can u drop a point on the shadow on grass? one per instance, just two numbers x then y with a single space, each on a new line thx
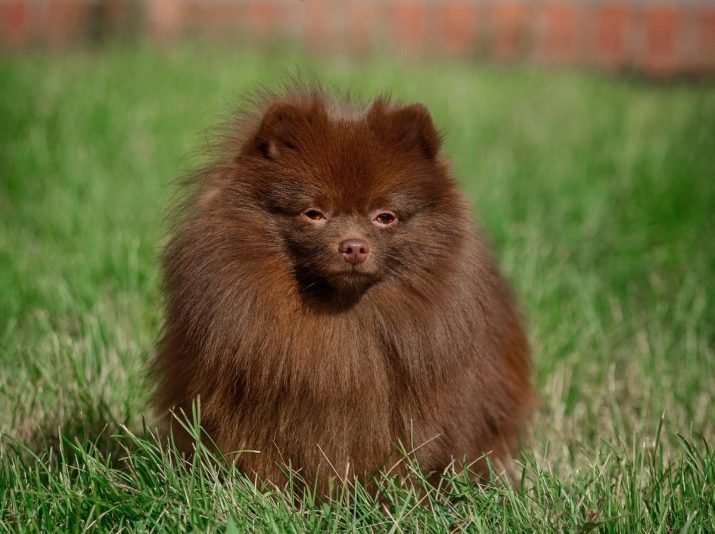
106 474
94 445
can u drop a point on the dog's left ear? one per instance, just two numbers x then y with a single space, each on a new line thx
285 126
408 127
278 131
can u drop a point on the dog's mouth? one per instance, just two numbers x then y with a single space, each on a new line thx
340 287
353 276
351 272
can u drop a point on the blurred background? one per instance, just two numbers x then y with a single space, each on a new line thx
583 132
658 37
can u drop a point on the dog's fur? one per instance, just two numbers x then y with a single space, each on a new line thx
323 365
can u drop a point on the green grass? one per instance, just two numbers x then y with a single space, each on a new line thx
599 194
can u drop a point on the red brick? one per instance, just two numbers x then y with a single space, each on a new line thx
661 35
364 24
288 18
687 41
116 15
254 20
319 17
409 22
558 37
459 27
663 38
508 27
165 18
611 43
66 21
706 38
14 24
222 18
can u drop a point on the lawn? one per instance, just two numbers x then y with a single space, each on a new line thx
599 196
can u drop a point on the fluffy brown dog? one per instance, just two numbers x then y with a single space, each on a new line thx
328 297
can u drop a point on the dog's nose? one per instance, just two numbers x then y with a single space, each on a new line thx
354 251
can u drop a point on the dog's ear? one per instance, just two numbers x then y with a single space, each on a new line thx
283 128
408 127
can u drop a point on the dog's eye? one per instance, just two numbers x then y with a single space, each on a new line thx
385 218
314 215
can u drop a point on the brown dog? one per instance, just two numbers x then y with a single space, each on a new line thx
329 297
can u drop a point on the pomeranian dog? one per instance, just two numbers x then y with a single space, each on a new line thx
331 304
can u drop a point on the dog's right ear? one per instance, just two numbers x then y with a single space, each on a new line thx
283 129
407 127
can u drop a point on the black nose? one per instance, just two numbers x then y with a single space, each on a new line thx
354 250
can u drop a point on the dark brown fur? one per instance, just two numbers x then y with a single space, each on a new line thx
314 363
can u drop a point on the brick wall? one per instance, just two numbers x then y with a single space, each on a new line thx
660 37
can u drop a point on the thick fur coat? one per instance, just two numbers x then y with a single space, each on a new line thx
326 357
